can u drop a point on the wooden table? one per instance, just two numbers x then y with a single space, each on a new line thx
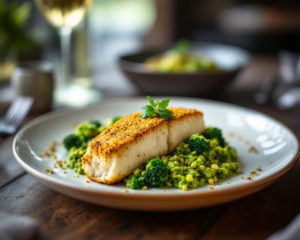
253 217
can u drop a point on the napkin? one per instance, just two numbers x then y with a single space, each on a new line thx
17 227
290 232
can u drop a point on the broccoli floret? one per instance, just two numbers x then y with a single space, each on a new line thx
109 122
213 132
96 123
72 140
198 143
156 173
87 130
135 182
116 118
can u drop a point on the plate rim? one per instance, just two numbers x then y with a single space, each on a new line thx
142 194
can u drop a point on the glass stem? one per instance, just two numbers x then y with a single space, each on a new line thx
65 42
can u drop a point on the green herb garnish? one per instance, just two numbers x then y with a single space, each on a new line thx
157 108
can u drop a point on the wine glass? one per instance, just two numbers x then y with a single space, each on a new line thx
64 15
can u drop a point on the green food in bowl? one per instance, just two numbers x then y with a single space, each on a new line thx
180 60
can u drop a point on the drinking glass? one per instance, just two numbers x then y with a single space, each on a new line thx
64 15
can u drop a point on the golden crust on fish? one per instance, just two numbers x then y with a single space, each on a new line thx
124 132
118 150
180 113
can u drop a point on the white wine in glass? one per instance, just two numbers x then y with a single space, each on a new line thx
64 15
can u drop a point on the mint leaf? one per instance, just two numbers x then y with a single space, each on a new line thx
156 103
166 114
164 103
157 108
147 111
151 101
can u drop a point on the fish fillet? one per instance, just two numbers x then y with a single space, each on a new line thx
123 147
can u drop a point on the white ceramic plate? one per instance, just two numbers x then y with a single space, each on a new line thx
277 150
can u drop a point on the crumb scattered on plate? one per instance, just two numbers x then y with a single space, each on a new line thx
253 149
49 171
249 178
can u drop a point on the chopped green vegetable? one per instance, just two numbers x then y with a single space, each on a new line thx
77 143
153 173
135 182
116 118
213 132
74 158
157 108
194 163
156 173
198 143
96 123
87 130
72 140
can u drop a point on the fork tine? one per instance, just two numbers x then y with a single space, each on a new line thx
16 106
12 110
26 105
15 114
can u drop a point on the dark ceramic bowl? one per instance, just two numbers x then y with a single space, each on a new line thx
229 59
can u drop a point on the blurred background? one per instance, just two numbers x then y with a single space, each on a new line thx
113 28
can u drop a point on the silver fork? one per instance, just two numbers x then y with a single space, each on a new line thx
15 115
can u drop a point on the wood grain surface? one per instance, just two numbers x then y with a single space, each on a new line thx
253 217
